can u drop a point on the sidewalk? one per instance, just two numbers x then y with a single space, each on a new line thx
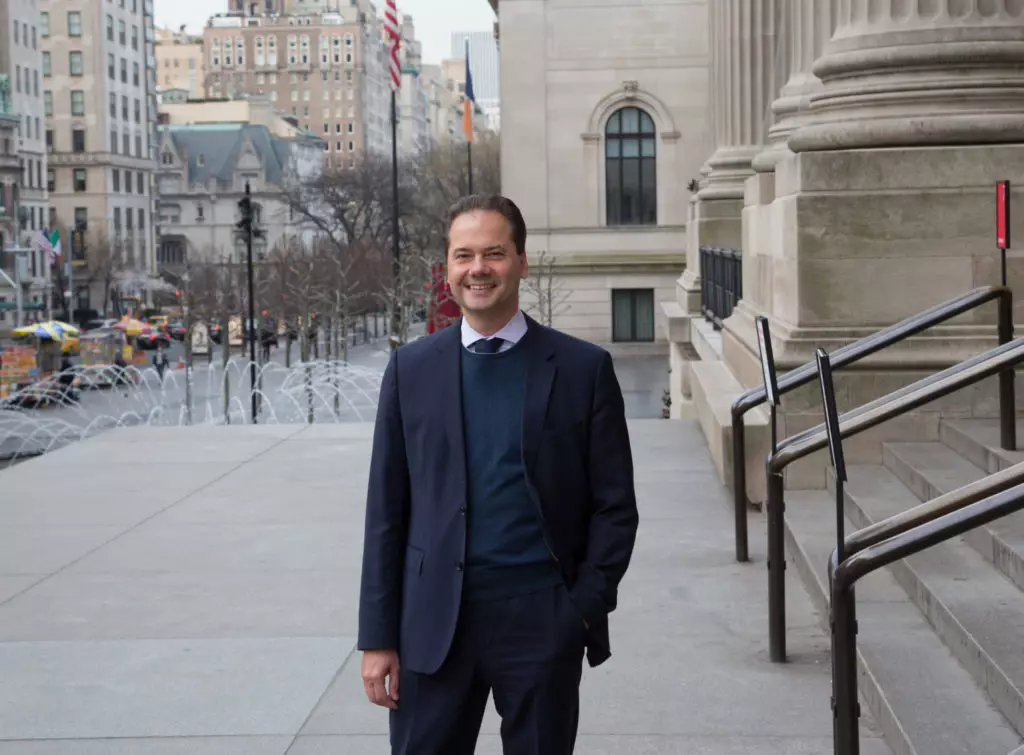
193 590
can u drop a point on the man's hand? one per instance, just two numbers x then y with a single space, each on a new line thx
378 666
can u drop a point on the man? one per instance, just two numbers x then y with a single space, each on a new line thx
501 514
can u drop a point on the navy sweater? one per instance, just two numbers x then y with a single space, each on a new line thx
505 554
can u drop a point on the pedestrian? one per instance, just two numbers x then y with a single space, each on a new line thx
500 515
161 362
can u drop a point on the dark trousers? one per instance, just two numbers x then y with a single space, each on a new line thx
528 651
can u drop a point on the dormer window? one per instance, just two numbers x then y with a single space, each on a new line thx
167 158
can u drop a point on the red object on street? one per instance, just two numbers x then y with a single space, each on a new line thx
1003 214
442 308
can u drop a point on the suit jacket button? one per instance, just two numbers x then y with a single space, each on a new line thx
462 509
458 566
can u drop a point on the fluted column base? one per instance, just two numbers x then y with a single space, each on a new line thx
949 75
730 168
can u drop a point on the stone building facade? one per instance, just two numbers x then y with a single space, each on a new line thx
603 127
856 150
203 171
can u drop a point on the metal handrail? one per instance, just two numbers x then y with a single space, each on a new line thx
930 532
999 360
857 350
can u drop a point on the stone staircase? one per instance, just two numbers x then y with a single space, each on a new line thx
941 634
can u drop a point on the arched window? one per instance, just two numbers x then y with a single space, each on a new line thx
630 168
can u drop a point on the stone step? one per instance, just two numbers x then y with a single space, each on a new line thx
922 700
932 469
974 609
977 440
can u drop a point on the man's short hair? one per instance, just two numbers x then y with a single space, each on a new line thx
492 203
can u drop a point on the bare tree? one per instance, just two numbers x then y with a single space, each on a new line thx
545 295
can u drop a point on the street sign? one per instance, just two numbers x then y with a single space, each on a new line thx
828 399
764 344
1003 215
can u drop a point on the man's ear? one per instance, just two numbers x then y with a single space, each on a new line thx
524 272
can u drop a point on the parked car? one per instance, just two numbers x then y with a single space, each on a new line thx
153 339
176 330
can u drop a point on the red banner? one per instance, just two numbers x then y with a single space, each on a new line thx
1003 214
442 308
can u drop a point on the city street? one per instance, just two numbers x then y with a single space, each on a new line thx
320 392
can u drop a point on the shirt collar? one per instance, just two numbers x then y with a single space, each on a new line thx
514 330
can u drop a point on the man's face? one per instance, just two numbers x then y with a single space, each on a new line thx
484 269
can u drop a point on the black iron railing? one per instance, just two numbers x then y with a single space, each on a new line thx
858 350
721 282
890 540
998 361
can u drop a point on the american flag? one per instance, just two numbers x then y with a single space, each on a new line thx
394 37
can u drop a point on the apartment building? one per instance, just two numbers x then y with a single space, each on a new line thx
327 68
180 62
99 96
22 59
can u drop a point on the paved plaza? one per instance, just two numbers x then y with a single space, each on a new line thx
173 590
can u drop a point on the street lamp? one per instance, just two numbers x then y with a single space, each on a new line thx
247 226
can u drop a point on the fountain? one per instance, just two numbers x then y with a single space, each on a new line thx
50 414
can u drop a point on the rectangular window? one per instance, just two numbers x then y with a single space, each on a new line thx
79 179
46 64
74 23
51 181
138 146
111 67
75 63
116 175
633 314
77 102
113 141
78 140
113 105
110 28
135 74
124 70
140 187
44 24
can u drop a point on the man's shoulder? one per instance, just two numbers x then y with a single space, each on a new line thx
572 346
421 347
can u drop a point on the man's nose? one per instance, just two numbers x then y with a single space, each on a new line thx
479 267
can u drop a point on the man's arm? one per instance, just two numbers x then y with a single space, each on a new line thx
387 513
614 518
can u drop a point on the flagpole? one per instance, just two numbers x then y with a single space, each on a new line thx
394 37
469 156
396 263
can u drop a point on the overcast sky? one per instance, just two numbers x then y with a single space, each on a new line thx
435 19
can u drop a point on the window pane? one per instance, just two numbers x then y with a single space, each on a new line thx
611 148
613 194
646 124
630 120
631 148
613 124
622 316
643 329
630 191
648 181
647 147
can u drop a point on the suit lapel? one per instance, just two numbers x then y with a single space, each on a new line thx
540 376
449 399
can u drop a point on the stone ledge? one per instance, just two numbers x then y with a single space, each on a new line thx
714 389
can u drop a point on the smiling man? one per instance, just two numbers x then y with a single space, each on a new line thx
500 515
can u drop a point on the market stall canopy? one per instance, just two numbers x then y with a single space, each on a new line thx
131 326
45 330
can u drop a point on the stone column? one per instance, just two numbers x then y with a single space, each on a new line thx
887 208
919 73
808 26
743 68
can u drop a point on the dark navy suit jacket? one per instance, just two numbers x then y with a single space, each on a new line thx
579 467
